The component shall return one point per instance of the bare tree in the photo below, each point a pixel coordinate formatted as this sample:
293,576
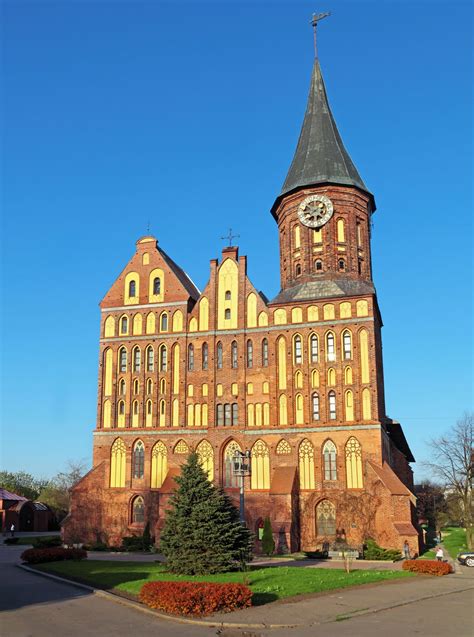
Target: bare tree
452,462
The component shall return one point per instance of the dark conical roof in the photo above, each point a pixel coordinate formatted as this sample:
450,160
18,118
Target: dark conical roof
320,155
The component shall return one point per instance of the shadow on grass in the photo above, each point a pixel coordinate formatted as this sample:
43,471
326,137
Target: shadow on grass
259,599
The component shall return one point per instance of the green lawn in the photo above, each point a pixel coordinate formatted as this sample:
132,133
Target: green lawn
454,540
267,584
30,539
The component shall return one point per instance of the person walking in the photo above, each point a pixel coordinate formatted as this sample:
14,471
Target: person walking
406,550
12,530
439,554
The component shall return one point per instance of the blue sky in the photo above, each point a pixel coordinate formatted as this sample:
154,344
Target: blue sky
186,116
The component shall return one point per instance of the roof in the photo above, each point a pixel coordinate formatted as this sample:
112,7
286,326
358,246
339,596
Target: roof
323,289
38,506
320,156
390,479
169,484
395,431
184,278
283,479
8,495
405,528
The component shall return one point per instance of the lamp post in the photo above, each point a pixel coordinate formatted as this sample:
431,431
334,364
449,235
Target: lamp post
241,468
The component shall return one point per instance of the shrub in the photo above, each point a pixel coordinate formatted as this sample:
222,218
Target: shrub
55,554
195,598
268,543
373,551
47,542
11,540
429,567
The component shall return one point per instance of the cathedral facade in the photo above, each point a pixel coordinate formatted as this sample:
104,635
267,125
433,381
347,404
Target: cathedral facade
297,381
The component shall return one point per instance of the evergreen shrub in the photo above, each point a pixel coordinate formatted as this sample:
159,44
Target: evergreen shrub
373,551
268,543
429,567
55,554
11,540
47,542
195,598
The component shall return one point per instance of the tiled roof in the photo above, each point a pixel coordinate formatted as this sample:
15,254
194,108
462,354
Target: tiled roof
8,495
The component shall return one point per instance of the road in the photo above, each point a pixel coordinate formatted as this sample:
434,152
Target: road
33,606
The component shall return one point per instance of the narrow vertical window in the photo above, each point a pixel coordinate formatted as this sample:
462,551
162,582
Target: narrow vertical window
330,463
136,359
138,511
265,353
122,387
164,322
123,325
347,345
227,314
132,289
298,351
228,295
190,357
330,347
150,359
332,405
234,354
315,406
138,460
359,234
318,265
235,414
298,270
157,285
313,342
123,360
163,358
219,355
205,356
227,415
219,415
249,354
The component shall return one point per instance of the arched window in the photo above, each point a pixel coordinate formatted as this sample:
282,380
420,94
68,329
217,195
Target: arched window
330,347
260,476
234,359
206,458
348,376
137,356
347,345
283,448
306,464
220,356
315,378
107,414
122,359
190,357
219,415
315,406
353,464
318,265
235,414
314,348
159,465
156,285
122,387
124,325
164,322
298,270
132,289
227,415
163,386
118,454
149,413
109,326
163,358
138,462
228,295
249,354
349,405
150,359
136,386
341,234
341,265
325,519
149,386
332,405
331,377
299,380
230,479
265,353
227,314
162,415
205,356
297,350
330,460
138,510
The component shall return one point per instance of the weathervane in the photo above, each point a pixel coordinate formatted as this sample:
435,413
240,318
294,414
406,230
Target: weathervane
230,236
314,22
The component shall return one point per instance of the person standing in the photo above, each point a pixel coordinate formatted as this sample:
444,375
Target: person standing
406,550
439,554
12,530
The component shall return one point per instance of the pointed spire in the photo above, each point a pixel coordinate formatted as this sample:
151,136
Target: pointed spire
320,156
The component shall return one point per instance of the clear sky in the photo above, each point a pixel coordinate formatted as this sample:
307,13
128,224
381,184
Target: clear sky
186,116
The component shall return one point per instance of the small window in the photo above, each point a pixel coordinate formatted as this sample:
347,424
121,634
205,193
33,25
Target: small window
298,270
137,356
149,388
359,266
132,289
330,347
121,408
136,390
122,387
342,265
314,348
346,341
315,406
138,460
227,314
318,265
190,358
205,356
235,414
150,359
157,285
227,295
138,511
163,358
123,325
298,350
219,356
123,360
249,354
227,415
332,405
234,355
164,322
220,415
265,352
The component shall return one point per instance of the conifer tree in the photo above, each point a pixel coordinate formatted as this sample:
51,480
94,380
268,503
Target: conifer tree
268,543
202,532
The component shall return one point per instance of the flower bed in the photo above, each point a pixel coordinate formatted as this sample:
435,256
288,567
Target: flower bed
56,554
195,598
429,567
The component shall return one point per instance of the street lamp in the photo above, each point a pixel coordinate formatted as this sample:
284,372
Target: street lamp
241,468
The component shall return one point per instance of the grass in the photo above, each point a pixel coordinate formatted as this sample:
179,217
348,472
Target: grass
267,584
30,539
454,540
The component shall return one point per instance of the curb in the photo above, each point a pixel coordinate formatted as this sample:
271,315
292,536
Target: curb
137,606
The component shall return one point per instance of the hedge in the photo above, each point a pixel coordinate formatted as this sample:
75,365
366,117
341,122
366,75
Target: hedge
430,567
57,554
195,598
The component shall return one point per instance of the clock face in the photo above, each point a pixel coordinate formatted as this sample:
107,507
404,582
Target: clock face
315,211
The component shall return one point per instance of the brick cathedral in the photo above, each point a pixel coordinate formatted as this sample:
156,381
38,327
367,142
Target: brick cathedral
297,380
